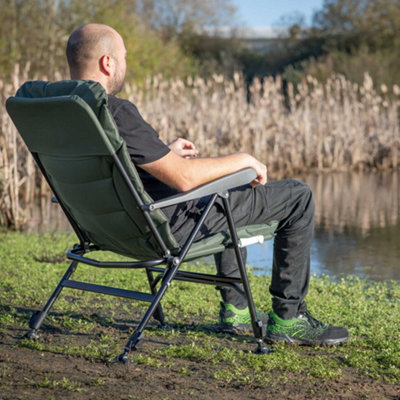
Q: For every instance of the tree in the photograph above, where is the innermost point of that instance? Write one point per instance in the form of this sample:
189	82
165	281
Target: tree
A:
374	23
181	15
28	37
355	36
191	24
36	32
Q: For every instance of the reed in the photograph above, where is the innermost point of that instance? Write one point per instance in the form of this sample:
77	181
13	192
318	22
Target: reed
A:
332	126
18	175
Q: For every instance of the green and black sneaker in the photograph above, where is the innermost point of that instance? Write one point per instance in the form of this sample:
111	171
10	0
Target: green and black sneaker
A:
237	322
303	330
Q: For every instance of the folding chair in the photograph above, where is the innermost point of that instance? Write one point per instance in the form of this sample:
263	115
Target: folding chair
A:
75	142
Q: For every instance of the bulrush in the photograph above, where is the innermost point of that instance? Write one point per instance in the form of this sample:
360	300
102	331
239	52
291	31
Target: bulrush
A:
331	126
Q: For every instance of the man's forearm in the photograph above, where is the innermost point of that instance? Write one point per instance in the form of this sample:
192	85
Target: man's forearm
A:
203	170
185	174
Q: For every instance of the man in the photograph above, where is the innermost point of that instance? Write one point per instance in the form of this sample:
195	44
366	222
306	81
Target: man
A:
97	52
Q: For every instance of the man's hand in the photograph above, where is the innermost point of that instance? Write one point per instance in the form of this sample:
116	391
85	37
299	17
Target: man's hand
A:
184	148
261	170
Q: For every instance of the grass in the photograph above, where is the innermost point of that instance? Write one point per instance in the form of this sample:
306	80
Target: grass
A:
96	327
64	384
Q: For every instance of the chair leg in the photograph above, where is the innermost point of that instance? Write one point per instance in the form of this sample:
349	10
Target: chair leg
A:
259	329
136	339
158	313
38	317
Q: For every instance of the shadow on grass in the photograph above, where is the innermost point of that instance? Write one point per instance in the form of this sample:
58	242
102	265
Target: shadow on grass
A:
122	325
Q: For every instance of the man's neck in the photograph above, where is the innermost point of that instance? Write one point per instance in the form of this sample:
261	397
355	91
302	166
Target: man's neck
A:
90	77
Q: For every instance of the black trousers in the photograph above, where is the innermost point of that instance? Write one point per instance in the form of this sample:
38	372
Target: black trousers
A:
290	202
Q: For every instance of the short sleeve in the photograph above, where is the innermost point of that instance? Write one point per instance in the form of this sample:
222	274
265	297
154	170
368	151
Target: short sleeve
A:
142	141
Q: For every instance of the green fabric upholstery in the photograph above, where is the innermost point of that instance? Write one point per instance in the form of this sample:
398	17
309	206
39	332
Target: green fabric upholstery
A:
69	126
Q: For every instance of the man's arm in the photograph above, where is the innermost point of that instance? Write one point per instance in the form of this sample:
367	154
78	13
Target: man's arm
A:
185	174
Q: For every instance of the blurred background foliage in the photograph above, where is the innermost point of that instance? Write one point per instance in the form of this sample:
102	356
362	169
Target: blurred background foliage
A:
177	38
349	37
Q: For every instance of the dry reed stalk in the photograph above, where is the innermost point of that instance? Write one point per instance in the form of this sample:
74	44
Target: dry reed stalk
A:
332	126
9	199
18	175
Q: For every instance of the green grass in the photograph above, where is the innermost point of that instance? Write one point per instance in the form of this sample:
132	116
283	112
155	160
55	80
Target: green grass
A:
97	326
64	384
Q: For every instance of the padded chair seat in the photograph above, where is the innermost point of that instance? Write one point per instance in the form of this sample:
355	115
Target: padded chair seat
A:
218	242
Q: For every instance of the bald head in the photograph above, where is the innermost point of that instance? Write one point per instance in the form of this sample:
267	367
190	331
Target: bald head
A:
87	44
88	50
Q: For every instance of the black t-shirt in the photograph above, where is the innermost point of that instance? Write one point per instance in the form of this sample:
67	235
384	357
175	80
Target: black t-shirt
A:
143	144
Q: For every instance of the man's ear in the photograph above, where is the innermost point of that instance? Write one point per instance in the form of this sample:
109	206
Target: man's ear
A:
105	64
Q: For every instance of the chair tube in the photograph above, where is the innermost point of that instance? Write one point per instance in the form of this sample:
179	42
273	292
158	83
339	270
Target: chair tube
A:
257	328
158	313
38	318
172	267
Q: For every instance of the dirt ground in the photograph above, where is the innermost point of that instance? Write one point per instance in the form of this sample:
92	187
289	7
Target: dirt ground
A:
35	375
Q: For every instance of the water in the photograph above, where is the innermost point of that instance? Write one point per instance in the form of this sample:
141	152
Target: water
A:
357	226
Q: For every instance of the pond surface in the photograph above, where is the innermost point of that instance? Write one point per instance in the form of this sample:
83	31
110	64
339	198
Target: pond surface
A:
357	226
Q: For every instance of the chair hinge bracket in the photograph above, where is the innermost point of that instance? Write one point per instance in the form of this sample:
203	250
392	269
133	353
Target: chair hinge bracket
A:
136	341
86	247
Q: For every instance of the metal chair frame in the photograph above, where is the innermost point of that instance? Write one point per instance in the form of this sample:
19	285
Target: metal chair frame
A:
166	274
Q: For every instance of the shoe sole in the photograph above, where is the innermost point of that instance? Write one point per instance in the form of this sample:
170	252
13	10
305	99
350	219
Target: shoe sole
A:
234	329
272	338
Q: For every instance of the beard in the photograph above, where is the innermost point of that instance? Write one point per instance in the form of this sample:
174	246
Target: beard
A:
116	84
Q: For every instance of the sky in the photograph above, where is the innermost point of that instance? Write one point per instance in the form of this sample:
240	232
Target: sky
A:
265	14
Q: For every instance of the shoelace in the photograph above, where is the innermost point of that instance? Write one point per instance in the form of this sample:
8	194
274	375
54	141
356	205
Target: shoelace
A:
313	322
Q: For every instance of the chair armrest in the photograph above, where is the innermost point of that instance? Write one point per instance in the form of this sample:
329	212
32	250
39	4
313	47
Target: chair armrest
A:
219	185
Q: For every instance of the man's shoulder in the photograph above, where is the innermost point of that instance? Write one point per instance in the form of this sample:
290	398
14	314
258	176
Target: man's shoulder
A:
116	102
122	106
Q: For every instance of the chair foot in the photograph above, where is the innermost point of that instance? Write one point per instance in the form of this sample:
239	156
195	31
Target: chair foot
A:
32	335
165	326
123	358
262	348
135	341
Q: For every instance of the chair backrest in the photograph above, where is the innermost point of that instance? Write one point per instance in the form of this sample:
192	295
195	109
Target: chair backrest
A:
69	128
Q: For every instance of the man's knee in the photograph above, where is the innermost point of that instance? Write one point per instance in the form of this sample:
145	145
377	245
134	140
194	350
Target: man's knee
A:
307	194
303	200
302	191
